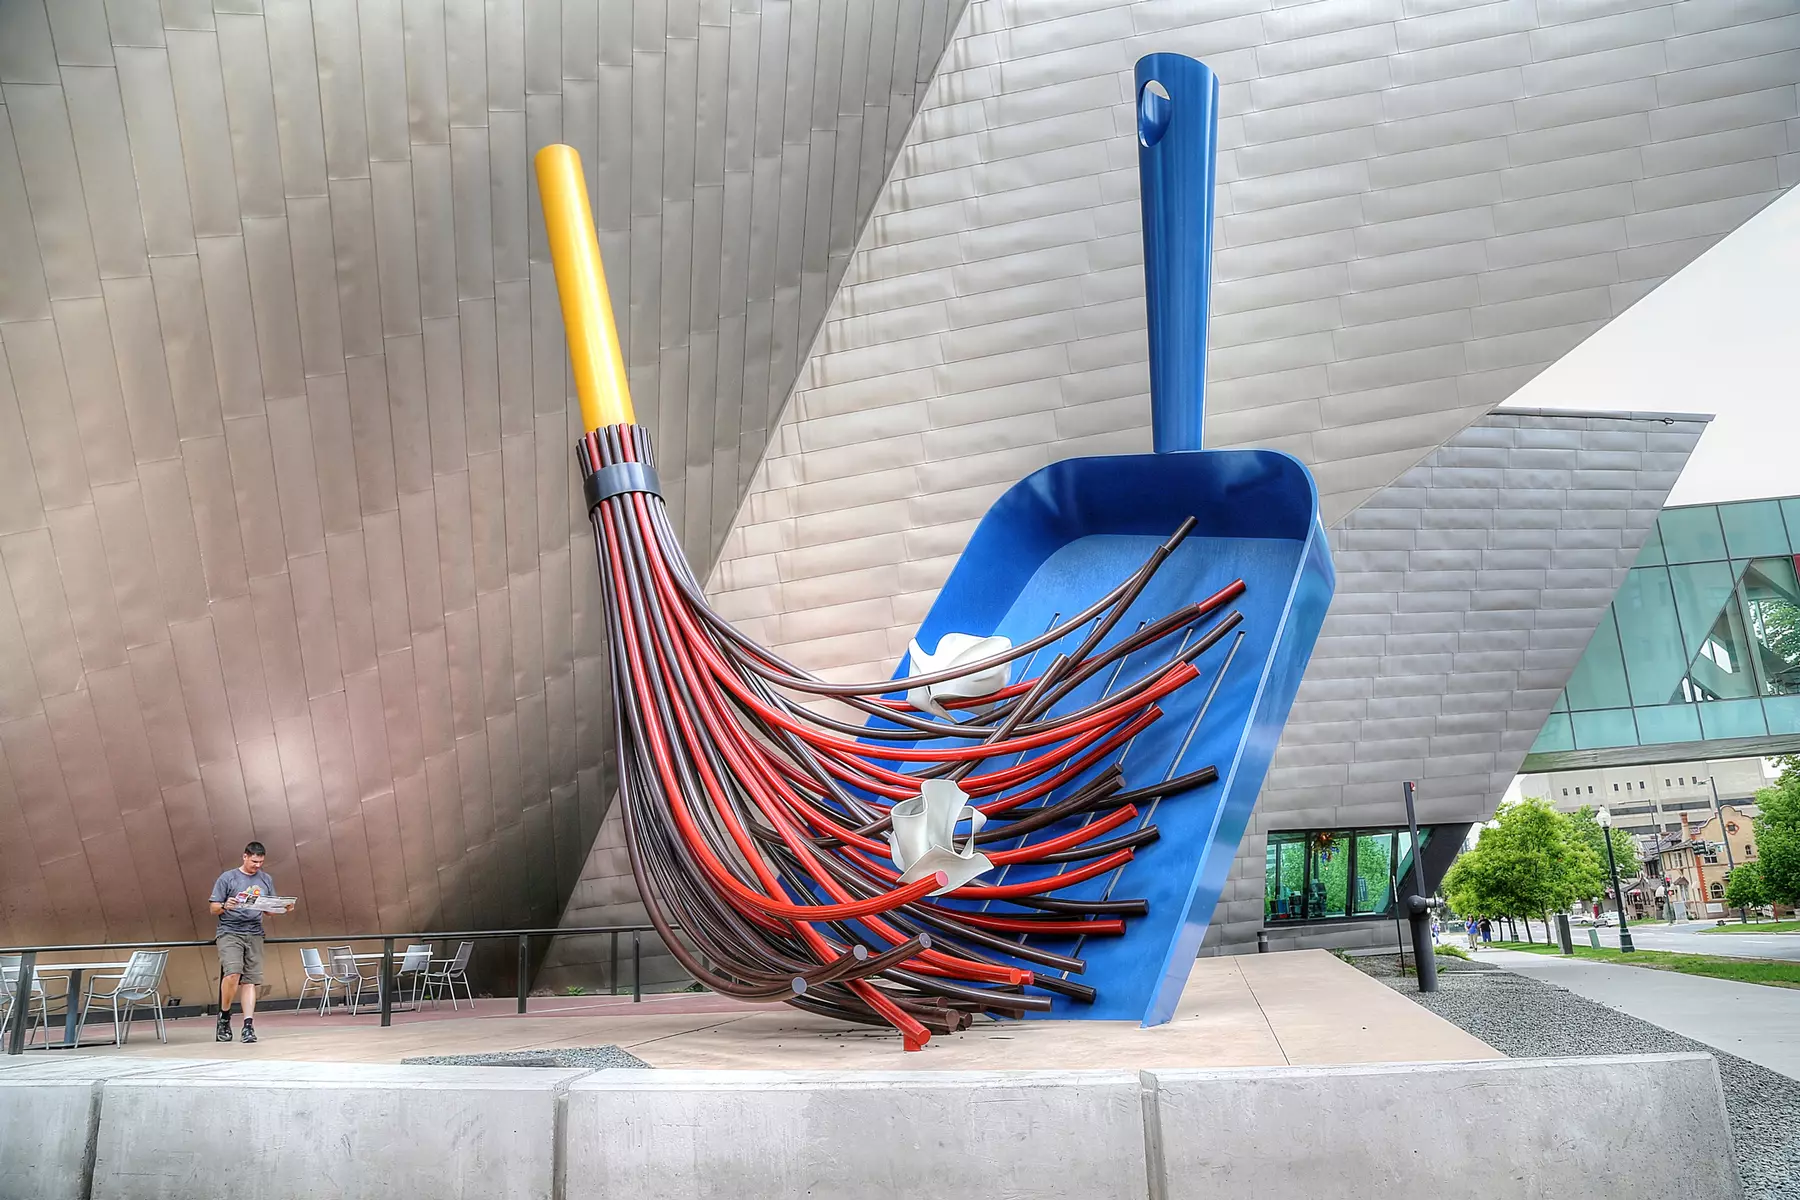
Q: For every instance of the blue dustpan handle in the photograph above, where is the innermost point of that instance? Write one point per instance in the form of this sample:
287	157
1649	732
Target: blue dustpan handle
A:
1177	140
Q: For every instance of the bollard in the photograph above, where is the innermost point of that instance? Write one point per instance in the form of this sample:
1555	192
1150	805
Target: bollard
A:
1262	941
612	970
387	982
524	943
1594	937
21	1004
637	976
1562	933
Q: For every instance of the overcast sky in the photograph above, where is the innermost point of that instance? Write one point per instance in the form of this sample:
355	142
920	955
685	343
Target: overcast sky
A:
1721	337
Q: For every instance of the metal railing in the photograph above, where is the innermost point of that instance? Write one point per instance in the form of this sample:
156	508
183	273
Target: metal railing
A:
15	1040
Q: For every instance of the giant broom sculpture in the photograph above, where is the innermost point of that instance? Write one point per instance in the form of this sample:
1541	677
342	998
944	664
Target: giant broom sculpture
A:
954	854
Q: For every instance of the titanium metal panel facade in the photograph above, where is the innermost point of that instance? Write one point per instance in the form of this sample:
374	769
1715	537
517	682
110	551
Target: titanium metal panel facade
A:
291	539
1467	592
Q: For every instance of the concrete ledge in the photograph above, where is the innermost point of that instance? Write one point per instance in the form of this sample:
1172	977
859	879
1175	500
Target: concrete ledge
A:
1573	1128
295	1131
49	1118
749	1135
161	1129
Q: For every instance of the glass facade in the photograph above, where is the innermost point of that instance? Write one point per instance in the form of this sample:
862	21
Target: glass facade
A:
1334	874
1702	641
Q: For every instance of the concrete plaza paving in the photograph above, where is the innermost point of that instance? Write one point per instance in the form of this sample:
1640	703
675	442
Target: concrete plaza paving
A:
1752	1021
1302	1008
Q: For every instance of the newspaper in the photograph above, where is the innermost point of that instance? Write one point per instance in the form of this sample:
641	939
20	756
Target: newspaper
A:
265	904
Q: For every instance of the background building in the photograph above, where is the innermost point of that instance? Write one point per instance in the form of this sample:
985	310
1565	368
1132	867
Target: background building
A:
1689	867
290	541
1651	800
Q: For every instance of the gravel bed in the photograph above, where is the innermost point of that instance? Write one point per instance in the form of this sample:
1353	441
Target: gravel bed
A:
592	1058
1527	1018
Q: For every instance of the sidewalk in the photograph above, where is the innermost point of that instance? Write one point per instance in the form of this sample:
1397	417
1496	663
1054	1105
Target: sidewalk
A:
1761	1024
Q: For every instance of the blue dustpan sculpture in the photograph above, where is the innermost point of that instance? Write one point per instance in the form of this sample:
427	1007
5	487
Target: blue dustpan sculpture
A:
1064	536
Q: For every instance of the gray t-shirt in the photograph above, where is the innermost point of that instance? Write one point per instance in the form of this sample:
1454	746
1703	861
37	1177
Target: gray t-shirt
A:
235	883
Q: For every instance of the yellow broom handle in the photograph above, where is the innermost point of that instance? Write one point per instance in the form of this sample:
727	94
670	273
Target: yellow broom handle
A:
581	282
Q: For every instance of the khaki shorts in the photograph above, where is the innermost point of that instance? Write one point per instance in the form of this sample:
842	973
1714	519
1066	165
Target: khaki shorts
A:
241	954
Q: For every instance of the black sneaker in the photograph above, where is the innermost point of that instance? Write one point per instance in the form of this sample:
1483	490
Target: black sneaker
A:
249	1034
223	1034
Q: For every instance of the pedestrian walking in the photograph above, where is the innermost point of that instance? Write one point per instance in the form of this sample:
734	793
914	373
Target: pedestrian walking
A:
240	937
1487	930
1474	932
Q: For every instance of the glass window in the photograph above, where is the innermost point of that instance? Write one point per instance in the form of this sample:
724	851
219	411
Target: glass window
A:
1772	609
1557	734
1721	667
1322	875
1732	718
1285	885
1703	597
1599	677
1328	861
1565	791
1790	515
1608	727
1716	890
1783	714
1373	886
1754	528
1652	553
1691	534
1650	635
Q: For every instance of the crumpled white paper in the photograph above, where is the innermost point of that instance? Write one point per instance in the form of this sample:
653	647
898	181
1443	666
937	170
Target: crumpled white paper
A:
924	835
954	649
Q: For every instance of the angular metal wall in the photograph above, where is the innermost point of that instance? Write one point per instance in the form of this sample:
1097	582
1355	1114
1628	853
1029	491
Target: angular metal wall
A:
1422	203
288	523
1467	591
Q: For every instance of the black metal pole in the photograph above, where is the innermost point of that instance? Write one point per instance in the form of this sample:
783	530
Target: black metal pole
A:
612	970
21	1009
637	972
524	941
1418	907
1612	865
387	982
1725	836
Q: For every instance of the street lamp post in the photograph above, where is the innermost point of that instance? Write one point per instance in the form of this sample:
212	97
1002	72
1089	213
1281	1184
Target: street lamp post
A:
1604	818
1725	836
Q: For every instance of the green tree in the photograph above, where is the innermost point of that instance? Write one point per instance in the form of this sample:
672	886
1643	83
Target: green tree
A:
1778	835
1526	864
1744	886
1585	826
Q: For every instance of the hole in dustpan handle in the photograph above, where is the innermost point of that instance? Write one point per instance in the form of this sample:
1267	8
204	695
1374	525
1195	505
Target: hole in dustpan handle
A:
1154	110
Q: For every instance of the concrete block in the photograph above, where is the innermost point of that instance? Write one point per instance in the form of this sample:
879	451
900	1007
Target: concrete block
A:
49	1115
1573	1128
744	1135
351	1131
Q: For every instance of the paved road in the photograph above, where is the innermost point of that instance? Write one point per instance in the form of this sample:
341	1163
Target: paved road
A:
1754	1022
1688	937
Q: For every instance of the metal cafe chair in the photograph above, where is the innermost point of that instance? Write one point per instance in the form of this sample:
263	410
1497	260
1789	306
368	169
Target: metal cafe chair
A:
450	972
414	966
37	1009
314	966
347	975
139	984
